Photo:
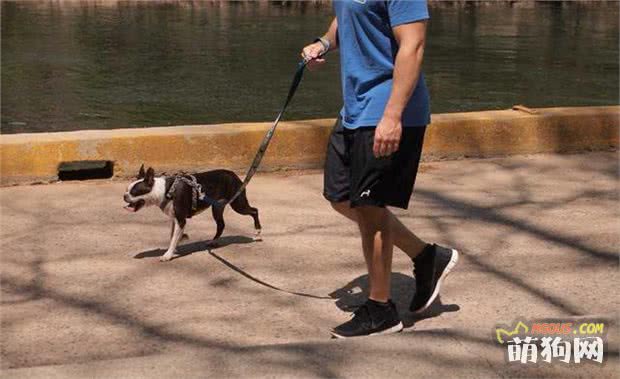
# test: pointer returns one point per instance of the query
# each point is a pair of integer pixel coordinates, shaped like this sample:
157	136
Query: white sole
446	271
395	329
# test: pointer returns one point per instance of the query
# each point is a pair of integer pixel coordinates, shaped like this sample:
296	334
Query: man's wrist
324	42
392	114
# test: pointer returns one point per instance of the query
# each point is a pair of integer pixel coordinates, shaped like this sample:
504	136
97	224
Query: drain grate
85	170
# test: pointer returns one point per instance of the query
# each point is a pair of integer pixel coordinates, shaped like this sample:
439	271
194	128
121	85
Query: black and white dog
181	204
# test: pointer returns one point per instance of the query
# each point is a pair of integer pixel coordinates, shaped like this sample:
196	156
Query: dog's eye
140	189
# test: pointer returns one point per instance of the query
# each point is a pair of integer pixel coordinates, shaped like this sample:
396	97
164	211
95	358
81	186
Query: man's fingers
375	148
386	149
393	148
380	148
313	52
307	55
383	148
394	145
312	60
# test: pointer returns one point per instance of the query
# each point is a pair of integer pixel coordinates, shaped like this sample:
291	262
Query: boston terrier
218	186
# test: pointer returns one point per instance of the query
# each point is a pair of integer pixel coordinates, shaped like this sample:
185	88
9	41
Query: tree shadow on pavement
354	294
198	246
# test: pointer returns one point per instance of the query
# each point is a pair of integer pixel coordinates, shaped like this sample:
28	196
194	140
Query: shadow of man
198	246
354	294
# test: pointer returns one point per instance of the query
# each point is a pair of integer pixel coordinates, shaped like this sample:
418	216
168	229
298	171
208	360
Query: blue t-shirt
367	54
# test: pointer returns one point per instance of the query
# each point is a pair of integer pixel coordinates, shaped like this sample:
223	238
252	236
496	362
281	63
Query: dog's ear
149	178
141	172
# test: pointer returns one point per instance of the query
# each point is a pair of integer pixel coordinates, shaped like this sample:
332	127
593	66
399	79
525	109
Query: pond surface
85	65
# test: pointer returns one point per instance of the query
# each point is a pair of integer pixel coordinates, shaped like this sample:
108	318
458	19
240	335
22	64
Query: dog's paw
257	236
165	258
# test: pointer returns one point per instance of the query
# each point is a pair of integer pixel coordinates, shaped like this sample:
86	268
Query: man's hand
312	53
387	136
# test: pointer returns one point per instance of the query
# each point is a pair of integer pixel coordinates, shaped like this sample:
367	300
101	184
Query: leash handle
265	143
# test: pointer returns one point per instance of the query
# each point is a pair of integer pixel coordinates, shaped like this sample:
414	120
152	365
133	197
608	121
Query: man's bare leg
378	315
378	245
404	238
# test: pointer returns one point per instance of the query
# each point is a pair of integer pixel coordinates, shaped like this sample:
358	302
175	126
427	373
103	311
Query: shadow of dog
198	246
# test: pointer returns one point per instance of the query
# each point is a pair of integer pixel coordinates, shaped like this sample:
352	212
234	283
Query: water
103	65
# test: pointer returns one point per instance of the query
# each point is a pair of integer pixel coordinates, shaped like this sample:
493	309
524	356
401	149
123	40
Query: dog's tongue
129	208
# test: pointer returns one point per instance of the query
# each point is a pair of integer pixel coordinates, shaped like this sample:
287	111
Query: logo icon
551	340
520	328
365	193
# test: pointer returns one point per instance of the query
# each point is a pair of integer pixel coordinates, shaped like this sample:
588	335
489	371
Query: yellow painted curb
301	144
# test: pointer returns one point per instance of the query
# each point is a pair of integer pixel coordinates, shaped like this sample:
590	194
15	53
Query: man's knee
371	216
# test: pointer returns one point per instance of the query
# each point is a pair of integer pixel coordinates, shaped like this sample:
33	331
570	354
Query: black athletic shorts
353	173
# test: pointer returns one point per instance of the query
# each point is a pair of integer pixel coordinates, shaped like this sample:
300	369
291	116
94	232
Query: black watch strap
324	42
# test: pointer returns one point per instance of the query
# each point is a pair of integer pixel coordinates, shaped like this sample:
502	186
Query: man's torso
367	53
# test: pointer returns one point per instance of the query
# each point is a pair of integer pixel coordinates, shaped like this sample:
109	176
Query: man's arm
313	53
332	35
411	39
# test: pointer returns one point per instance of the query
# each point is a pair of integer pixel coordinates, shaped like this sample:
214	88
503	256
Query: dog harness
197	193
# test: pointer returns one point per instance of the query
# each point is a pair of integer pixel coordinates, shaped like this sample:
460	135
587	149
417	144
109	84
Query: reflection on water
93	65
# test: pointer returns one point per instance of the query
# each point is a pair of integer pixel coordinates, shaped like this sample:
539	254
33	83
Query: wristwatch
325	43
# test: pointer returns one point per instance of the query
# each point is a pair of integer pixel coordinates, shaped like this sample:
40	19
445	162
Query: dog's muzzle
133	206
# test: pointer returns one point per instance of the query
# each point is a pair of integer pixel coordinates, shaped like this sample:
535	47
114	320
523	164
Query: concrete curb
36	157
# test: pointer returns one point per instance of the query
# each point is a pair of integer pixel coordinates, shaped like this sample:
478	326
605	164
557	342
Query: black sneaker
430	268
371	318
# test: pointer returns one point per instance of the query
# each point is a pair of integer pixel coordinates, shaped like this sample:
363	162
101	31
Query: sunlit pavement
84	293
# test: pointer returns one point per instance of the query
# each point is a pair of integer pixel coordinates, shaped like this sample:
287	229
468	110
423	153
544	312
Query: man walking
374	149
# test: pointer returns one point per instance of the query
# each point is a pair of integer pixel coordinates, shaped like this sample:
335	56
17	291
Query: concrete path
84	294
